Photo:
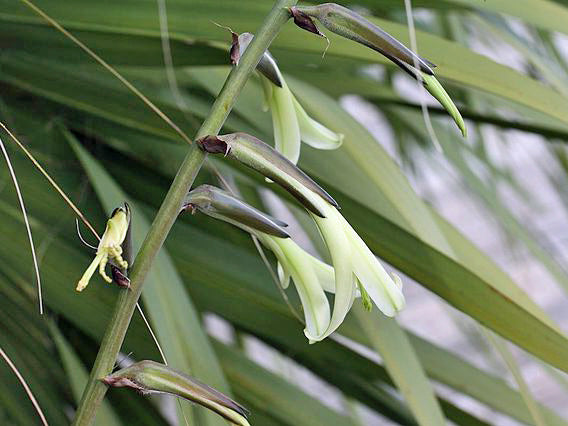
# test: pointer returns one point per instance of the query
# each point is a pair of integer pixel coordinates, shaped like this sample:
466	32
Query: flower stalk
127	300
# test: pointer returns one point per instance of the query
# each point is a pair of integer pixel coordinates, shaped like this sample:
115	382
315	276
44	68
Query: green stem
166	216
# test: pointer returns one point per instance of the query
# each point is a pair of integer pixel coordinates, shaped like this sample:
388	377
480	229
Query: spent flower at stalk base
356	269
291	123
110	247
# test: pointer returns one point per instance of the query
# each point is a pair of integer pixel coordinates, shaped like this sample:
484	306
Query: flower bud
351	25
435	88
153	377
219	204
259	156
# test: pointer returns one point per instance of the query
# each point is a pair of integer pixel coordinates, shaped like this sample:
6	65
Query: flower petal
285	123
283	276
267	93
384	292
325	274
338	245
314	133
295	263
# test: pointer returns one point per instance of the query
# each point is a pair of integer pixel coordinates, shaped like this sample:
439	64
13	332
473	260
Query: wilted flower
290	121
110	247
355	267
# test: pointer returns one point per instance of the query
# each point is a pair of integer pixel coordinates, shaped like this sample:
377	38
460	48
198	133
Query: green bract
351	25
257	155
222	205
153	377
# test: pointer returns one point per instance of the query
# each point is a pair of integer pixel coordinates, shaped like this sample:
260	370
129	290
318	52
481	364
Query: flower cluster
355	270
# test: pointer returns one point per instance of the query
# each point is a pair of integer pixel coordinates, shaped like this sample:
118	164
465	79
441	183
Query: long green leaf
78	376
390	340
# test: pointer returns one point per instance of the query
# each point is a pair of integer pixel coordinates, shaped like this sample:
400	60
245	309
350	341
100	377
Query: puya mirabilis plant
194	159
356	271
168	211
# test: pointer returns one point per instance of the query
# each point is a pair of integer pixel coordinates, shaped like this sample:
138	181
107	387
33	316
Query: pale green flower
310	275
355	268
291	123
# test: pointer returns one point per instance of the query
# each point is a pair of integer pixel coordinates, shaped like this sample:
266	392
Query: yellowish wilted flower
110	246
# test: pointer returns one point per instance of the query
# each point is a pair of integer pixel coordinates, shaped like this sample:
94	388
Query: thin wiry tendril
414	48
26	222
81	237
25	385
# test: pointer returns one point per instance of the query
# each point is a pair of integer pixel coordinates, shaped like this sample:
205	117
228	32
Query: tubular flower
355	267
311	276
291	123
110	247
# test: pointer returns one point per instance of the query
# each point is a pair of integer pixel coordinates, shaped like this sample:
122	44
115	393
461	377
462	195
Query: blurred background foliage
210	298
